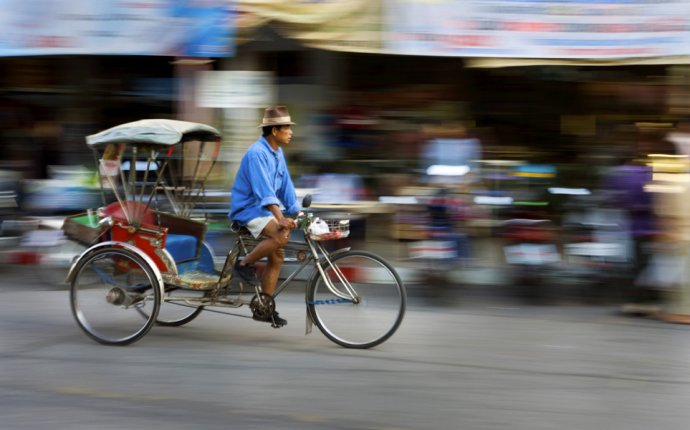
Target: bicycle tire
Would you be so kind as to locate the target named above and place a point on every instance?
(381, 307)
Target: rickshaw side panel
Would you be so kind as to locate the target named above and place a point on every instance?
(149, 239)
(173, 239)
(181, 226)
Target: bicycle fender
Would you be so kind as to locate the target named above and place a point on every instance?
(116, 244)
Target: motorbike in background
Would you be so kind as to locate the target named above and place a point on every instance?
(532, 257)
(444, 247)
(597, 249)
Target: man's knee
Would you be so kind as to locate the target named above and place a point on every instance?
(278, 236)
(279, 241)
(284, 238)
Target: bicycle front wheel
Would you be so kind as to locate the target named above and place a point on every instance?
(365, 304)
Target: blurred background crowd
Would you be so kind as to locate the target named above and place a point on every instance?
(557, 174)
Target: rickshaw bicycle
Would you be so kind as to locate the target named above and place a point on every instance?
(146, 266)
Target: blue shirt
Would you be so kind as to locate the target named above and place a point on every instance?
(263, 179)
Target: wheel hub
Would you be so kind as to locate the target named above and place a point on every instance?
(116, 296)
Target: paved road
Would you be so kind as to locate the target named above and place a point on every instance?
(479, 365)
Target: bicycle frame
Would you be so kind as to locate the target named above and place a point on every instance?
(313, 253)
(309, 253)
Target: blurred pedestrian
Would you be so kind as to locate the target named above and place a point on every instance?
(625, 184)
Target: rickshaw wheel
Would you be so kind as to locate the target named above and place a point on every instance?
(173, 311)
(110, 292)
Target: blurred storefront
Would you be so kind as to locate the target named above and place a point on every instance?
(370, 83)
(572, 89)
(50, 103)
(530, 79)
(88, 65)
(380, 91)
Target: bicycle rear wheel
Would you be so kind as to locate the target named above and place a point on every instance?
(376, 310)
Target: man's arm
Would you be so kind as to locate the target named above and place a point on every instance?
(260, 181)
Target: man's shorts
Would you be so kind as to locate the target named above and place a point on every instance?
(257, 225)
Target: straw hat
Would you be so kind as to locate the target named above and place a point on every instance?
(276, 115)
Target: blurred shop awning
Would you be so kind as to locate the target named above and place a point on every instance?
(485, 33)
(344, 25)
(488, 63)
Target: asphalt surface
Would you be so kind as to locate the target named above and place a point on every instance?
(484, 363)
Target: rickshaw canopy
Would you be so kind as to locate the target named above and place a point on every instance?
(163, 132)
(139, 160)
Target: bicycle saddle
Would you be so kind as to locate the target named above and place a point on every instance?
(235, 227)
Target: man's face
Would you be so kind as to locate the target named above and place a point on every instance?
(282, 134)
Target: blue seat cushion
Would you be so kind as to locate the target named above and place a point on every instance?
(181, 247)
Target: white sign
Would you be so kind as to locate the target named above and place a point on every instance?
(235, 89)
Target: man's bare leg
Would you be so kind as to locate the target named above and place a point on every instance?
(271, 247)
(269, 280)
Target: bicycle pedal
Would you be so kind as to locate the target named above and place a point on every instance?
(276, 324)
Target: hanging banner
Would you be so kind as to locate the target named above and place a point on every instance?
(112, 27)
(568, 29)
(337, 25)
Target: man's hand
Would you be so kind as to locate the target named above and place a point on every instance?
(287, 223)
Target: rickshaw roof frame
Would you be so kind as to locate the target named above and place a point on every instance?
(162, 132)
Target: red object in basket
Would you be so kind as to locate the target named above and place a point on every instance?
(332, 235)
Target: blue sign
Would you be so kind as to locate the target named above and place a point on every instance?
(201, 28)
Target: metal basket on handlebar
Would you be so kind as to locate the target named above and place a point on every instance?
(337, 229)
